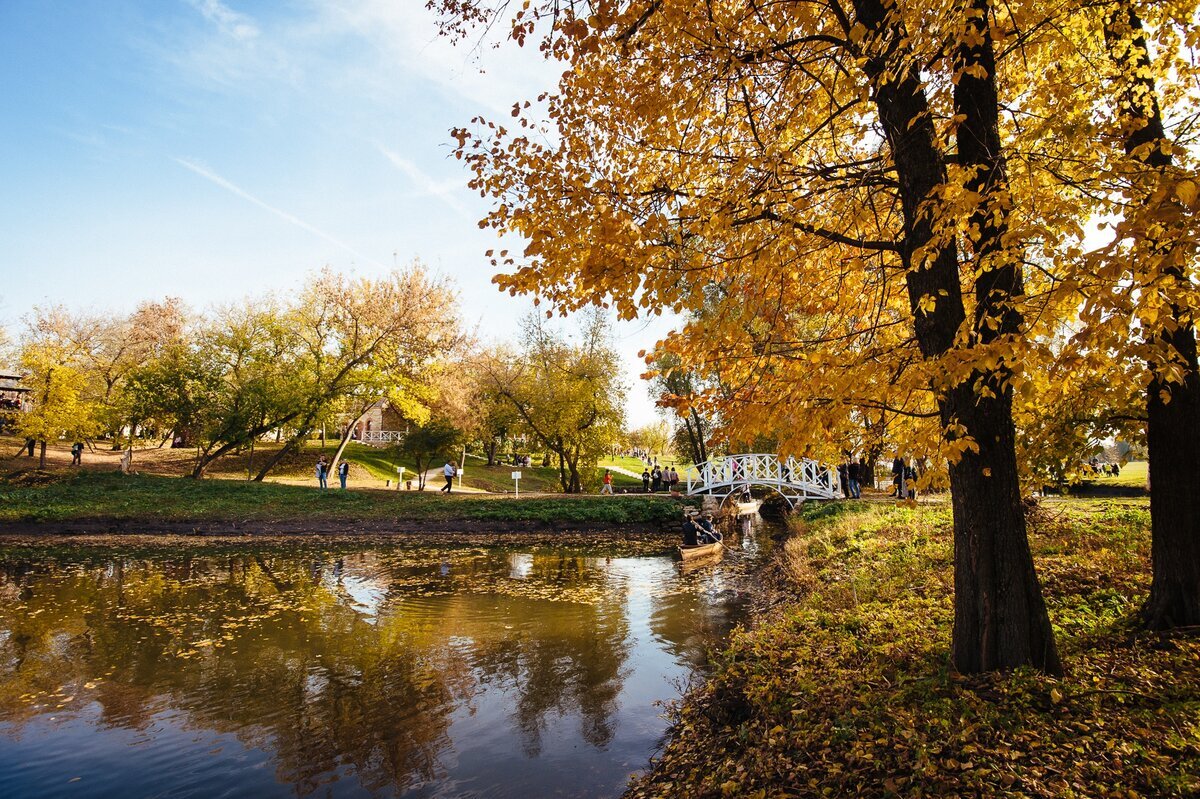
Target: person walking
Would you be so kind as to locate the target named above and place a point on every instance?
(674, 478)
(322, 472)
(607, 487)
(343, 473)
(646, 481)
(448, 471)
(77, 454)
(852, 479)
(655, 478)
(898, 477)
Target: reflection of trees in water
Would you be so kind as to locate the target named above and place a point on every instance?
(573, 660)
(279, 662)
(272, 649)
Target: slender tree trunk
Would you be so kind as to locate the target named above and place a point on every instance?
(1172, 407)
(283, 452)
(345, 439)
(1000, 619)
(42, 457)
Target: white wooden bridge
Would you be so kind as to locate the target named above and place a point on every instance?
(795, 479)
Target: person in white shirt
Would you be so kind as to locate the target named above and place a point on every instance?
(448, 471)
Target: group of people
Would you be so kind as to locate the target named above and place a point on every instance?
(343, 471)
(904, 479)
(656, 479)
(698, 529)
(1097, 467)
(852, 476)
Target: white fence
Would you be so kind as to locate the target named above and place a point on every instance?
(380, 438)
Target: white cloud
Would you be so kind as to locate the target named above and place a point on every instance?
(231, 23)
(403, 35)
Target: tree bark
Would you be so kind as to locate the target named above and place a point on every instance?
(1000, 618)
(345, 439)
(287, 448)
(1172, 408)
(42, 456)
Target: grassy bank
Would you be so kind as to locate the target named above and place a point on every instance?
(847, 691)
(58, 497)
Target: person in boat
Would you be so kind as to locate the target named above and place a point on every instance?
(691, 531)
(708, 533)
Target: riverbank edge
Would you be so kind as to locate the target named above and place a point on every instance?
(260, 528)
(833, 691)
(46, 503)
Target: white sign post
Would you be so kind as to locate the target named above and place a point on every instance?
(399, 476)
(516, 483)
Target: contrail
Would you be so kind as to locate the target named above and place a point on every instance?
(444, 192)
(208, 174)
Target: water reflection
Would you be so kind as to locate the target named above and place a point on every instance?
(385, 670)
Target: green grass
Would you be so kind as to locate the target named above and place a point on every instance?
(1133, 475)
(71, 496)
(847, 691)
(637, 464)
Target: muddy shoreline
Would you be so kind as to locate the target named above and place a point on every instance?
(287, 527)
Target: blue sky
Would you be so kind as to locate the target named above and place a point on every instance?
(211, 149)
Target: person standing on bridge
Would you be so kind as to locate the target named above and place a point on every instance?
(646, 481)
(655, 478)
(673, 478)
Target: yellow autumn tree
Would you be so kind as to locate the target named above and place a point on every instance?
(885, 205)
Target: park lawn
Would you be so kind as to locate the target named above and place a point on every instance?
(637, 465)
(535, 479)
(1133, 475)
(846, 690)
(66, 496)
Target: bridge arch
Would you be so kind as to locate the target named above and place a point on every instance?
(795, 479)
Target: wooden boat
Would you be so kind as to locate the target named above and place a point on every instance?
(690, 553)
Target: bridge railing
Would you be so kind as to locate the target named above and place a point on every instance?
(799, 474)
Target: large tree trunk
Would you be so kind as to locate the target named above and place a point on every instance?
(1000, 619)
(1172, 408)
(1173, 437)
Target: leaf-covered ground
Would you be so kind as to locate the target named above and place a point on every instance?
(847, 691)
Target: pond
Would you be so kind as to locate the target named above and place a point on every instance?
(338, 667)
